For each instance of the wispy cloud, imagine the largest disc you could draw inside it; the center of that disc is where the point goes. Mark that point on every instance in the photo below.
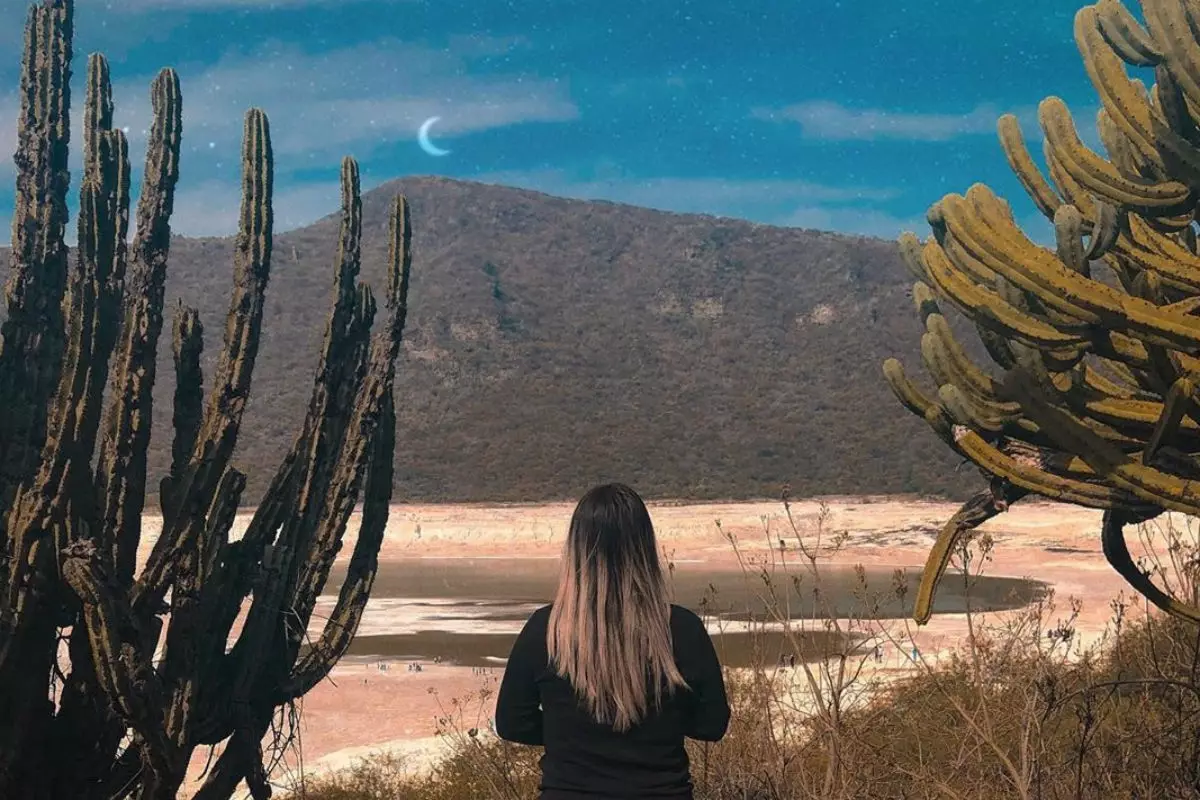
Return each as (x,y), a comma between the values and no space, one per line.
(321,107)
(685,194)
(863,222)
(354,99)
(330,104)
(823,119)
(885,225)
(830,121)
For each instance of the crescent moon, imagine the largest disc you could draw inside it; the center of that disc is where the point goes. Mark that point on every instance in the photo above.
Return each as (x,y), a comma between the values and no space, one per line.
(423,138)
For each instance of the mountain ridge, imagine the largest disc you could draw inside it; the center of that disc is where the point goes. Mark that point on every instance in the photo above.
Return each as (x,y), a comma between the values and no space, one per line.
(553,343)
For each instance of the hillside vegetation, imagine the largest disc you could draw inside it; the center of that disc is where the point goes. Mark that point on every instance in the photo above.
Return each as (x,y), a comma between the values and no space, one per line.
(555,343)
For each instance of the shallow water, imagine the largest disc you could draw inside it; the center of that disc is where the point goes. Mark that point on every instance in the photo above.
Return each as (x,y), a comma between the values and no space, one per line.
(468,611)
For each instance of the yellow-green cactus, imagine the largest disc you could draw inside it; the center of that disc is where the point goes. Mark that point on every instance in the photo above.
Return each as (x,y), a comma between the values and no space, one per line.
(1097,399)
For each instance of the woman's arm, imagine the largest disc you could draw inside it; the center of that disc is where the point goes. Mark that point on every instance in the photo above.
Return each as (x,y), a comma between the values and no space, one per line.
(518,711)
(710,707)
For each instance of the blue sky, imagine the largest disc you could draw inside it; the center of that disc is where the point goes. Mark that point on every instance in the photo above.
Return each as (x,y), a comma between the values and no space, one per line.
(851,116)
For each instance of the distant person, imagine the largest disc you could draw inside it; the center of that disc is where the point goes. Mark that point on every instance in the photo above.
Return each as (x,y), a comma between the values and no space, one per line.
(611,676)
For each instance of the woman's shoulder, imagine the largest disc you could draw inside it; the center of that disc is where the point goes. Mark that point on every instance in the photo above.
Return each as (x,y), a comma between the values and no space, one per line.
(681,615)
(537,623)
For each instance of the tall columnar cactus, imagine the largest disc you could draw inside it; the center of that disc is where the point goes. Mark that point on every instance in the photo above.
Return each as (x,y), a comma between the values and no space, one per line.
(147,678)
(1094,395)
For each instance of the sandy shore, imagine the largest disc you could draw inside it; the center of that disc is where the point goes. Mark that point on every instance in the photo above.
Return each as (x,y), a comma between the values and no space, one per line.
(363,708)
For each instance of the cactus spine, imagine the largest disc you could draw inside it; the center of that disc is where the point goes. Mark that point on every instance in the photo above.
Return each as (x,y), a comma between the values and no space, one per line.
(127,721)
(1097,399)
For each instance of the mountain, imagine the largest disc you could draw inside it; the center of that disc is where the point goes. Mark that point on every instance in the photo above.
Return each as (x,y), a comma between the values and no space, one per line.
(554,343)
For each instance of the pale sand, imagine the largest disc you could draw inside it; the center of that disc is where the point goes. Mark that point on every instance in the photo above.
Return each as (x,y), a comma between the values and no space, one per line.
(362,709)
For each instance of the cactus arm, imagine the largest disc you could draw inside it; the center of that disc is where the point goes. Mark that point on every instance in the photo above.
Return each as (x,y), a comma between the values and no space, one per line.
(121,470)
(307,544)
(970,262)
(1188,305)
(384,349)
(187,346)
(1022,165)
(905,390)
(55,508)
(340,371)
(1072,191)
(1120,149)
(1135,417)
(1097,175)
(979,509)
(911,255)
(186,660)
(1172,105)
(967,374)
(1041,272)
(1016,479)
(31,336)
(226,404)
(1105,232)
(1068,239)
(988,308)
(1125,36)
(1034,478)
(1121,471)
(1116,552)
(1132,113)
(1167,23)
(343,622)
(996,345)
(342,483)
(1104,386)
(948,364)
(31,353)
(963,411)
(252,267)
(84,723)
(1150,249)
(106,167)
(1180,401)
(129,681)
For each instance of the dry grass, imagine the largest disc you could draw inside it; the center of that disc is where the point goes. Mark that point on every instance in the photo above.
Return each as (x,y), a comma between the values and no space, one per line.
(1021,710)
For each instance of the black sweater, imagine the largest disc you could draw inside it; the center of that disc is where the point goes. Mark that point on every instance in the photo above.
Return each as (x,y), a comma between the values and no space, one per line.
(585,759)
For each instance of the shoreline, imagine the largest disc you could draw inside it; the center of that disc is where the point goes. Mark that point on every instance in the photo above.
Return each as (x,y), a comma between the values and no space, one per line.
(359,710)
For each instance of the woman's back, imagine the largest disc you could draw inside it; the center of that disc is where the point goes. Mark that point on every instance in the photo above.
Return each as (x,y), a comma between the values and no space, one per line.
(611,676)
(584,757)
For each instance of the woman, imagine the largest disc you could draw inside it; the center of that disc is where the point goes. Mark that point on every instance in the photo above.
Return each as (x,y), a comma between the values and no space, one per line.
(620,674)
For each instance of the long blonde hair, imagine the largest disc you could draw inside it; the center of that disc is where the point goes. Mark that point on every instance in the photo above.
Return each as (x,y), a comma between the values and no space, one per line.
(609,632)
